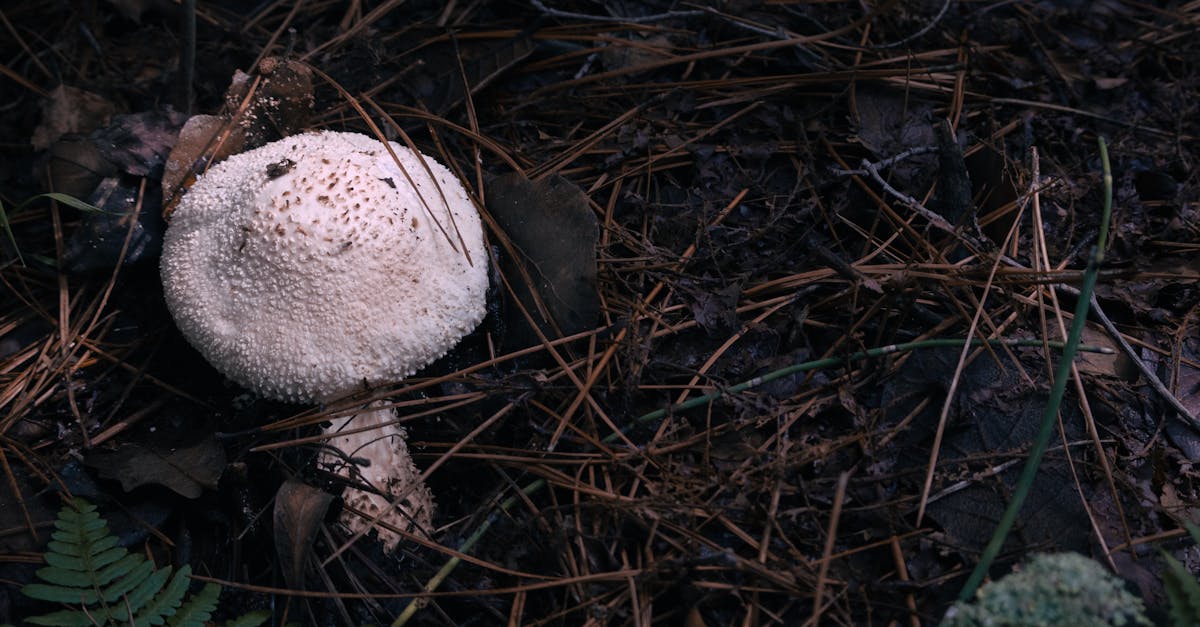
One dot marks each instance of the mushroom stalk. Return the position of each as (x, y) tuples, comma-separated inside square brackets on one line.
[(371, 451)]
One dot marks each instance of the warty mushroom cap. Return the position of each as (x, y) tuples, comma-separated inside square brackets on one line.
[(313, 265)]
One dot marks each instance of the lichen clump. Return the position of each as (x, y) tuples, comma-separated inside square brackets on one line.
[(1059, 590)]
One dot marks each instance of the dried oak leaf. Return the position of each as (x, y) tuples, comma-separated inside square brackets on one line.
[(185, 470), (299, 511)]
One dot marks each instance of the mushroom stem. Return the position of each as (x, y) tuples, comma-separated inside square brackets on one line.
[(373, 452)]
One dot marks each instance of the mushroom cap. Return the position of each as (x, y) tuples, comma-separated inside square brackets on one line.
[(315, 265)]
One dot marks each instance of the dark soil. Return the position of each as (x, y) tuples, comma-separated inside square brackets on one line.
[(774, 183)]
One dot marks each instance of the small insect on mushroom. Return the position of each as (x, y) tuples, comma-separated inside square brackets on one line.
[(276, 170), (354, 301)]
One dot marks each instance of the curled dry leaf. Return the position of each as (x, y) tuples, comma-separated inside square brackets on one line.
[(299, 511), (200, 143)]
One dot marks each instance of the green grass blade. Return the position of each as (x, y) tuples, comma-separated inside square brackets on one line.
[(1183, 593), (69, 201), (1193, 531), (1059, 387), (7, 228)]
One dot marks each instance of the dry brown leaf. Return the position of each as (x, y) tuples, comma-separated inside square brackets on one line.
[(299, 512), (70, 110)]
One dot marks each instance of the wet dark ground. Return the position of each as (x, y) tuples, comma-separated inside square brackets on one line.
[(712, 147)]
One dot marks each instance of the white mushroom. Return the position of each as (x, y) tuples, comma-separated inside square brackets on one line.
[(314, 266)]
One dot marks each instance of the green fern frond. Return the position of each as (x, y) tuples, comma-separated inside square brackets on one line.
[(105, 584), (168, 597), (82, 559), (198, 609)]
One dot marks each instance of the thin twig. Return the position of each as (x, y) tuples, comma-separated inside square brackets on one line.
[(642, 19), (872, 170), (937, 18)]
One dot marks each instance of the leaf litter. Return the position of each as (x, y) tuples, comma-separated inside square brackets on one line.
[(684, 194)]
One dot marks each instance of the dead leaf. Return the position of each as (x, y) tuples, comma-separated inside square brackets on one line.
[(635, 51), (994, 412), (713, 304), (888, 125), (554, 234), (1116, 364), (70, 110), (1110, 83), (96, 245), (197, 147), (76, 166), (138, 143), (281, 103), (187, 471), (299, 511)]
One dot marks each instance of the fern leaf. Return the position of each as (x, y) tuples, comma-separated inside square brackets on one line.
[(90, 563), (198, 609), (64, 618), (106, 584), (152, 585), (72, 547), (124, 585), (60, 594), (167, 599), (120, 568), (83, 578), (80, 519)]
